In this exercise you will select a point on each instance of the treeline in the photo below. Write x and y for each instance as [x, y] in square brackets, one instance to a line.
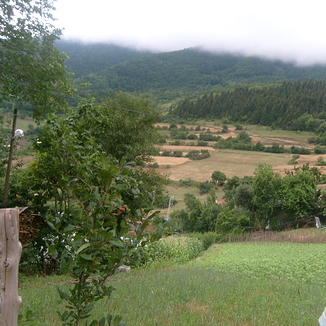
[263, 201]
[292, 105]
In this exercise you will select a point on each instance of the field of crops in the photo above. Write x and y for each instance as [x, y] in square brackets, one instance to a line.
[283, 261]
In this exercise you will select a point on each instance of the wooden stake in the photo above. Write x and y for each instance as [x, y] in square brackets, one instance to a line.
[10, 252]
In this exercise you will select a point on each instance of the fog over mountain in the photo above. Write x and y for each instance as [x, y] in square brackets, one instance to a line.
[288, 30]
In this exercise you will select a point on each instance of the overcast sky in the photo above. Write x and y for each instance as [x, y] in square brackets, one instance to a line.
[290, 30]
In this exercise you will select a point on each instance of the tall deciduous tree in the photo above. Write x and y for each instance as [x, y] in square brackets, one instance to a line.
[299, 192]
[266, 186]
[32, 69]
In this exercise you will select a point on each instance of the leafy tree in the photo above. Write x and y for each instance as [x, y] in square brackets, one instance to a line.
[32, 69]
[243, 196]
[266, 186]
[128, 133]
[299, 192]
[230, 186]
[232, 220]
[219, 178]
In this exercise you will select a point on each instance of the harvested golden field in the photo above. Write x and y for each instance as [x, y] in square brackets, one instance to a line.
[230, 162]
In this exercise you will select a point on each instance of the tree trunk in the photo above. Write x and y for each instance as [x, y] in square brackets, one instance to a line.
[10, 252]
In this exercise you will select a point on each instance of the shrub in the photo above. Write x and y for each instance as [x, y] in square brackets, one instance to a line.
[187, 183]
[294, 159]
[205, 187]
[198, 155]
[177, 153]
[166, 153]
[208, 238]
[319, 150]
[202, 143]
[321, 161]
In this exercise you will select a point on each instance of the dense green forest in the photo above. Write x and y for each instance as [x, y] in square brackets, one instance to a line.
[174, 75]
[291, 105]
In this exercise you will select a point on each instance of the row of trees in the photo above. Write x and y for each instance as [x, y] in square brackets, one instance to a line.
[266, 199]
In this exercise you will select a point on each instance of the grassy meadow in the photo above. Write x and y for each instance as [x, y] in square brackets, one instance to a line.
[242, 283]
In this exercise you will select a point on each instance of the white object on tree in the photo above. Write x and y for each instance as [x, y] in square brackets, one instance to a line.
[10, 252]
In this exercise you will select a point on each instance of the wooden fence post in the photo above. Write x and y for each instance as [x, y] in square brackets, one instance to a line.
[10, 252]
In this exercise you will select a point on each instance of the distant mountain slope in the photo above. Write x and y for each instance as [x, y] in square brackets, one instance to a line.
[177, 74]
[87, 58]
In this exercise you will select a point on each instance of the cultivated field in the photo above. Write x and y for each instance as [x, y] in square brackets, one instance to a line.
[234, 162]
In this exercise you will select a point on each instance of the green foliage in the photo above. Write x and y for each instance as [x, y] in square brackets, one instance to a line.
[174, 248]
[32, 69]
[205, 187]
[218, 177]
[76, 139]
[299, 190]
[266, 185]
[294, 159]
[243, 196]
[198, 155]
[208, 238]
[282, 106]
[208, 136]
[233, 221]
[93, 240]
[321, 161]
[197, 217]
[187, 183]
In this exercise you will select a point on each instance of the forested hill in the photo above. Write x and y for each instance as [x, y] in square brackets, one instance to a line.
[292, 105]
[177, 74]
[87, 58]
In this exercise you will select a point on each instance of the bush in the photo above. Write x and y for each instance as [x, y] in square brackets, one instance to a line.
[321, 161]
[208, 238]
[202, 143]
[166, 153]
[205, 187]
[177, 153]
[192, 136]
[198, 155]
[319, 150]
[187, 183]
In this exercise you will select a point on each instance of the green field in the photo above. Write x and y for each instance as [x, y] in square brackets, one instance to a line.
[229, 284]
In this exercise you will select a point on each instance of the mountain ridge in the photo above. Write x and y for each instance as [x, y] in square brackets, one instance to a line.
[169, 76]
